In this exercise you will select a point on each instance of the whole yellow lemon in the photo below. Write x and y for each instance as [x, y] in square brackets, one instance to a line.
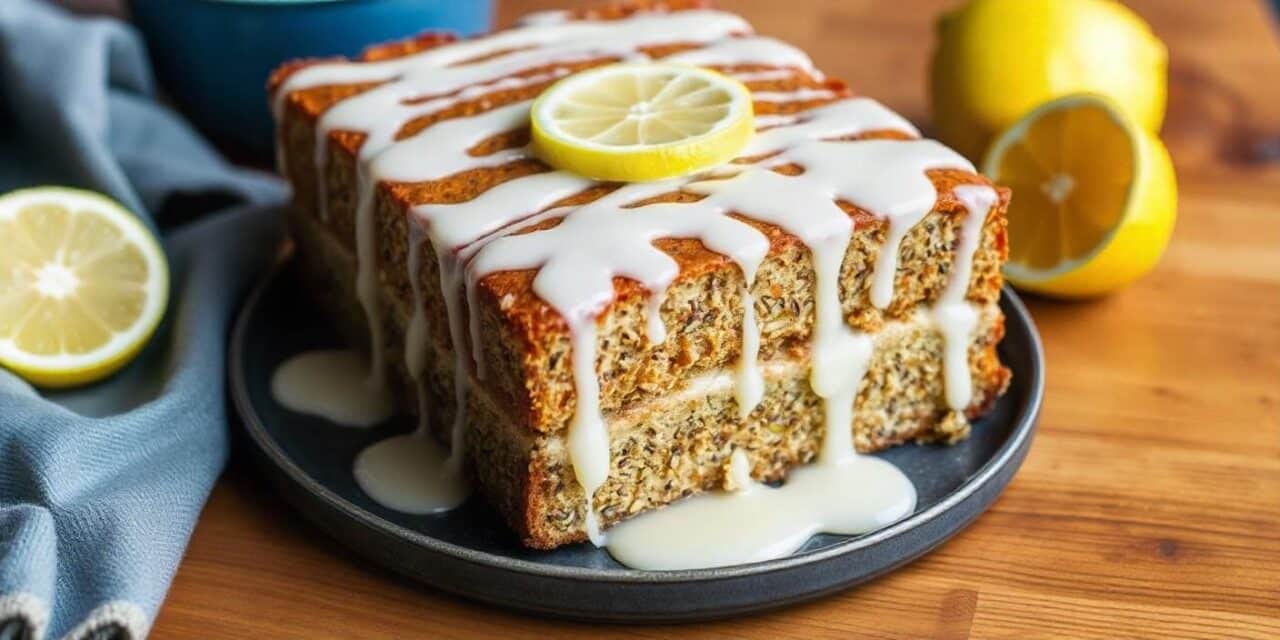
[998, 59]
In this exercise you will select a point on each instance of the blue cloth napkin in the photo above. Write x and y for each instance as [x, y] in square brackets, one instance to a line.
[100, 487]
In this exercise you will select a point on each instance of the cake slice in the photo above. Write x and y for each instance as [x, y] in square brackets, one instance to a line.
[413, 187]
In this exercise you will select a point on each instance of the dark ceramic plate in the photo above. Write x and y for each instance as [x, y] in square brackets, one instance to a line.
[469, 552]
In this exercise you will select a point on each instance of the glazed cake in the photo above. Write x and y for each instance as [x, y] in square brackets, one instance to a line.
[562, 333]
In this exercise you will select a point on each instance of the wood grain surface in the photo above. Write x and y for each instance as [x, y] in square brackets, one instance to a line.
[1150, 503]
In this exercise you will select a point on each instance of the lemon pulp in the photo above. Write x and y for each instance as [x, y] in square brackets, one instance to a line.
[83, 285]
[639, 122]
[1094, 197]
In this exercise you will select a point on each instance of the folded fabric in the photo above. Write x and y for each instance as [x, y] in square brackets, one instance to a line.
[100, 487]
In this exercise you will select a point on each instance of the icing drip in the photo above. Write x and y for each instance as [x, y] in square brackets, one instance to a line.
[415, 341]
[367, 279]
[956, 317]
[749, 387]
[451, 281]
[410, 472]
[588, 434]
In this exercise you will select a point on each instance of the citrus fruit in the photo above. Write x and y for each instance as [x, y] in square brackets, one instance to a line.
[1094, 197]
[998, 59]
[83, 285]
[639, 122]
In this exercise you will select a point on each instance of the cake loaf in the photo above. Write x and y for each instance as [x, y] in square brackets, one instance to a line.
[555, 333]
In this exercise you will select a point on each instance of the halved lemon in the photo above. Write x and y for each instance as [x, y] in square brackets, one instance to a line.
[1094, 197]
[642, 121]
[83, 285]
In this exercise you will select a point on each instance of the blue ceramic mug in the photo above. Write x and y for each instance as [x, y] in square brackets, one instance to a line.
[214, 56]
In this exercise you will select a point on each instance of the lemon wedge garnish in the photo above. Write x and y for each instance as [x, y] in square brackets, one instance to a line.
[644, 121]
[1094, 197]
[83, 285]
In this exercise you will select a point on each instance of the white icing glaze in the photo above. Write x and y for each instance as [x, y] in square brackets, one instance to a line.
[539, 35]
[578, 258]
[392, 102]
[795, 95]
[749, 385]
[454, 226]
[330, 384]
[955, 316]
[763, 75]
[844, 118]
[367, 278]
[551, 16]
[445, 151]
[415, 341]
[588, 434]
[746, 50]
[770, 120]
[757, 522]
[410, 473]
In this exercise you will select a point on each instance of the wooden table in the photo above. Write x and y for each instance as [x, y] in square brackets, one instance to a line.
[1150, 502]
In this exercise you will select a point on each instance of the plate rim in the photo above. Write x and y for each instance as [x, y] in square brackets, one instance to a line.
[1025, 419]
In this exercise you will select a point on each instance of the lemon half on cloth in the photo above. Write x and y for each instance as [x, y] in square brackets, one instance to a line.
[83, 285]
[642, 121]
[1094, 197]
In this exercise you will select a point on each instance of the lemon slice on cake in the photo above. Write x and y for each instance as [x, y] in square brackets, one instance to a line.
[83, 285]
[639, 122]
[1094, 197]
